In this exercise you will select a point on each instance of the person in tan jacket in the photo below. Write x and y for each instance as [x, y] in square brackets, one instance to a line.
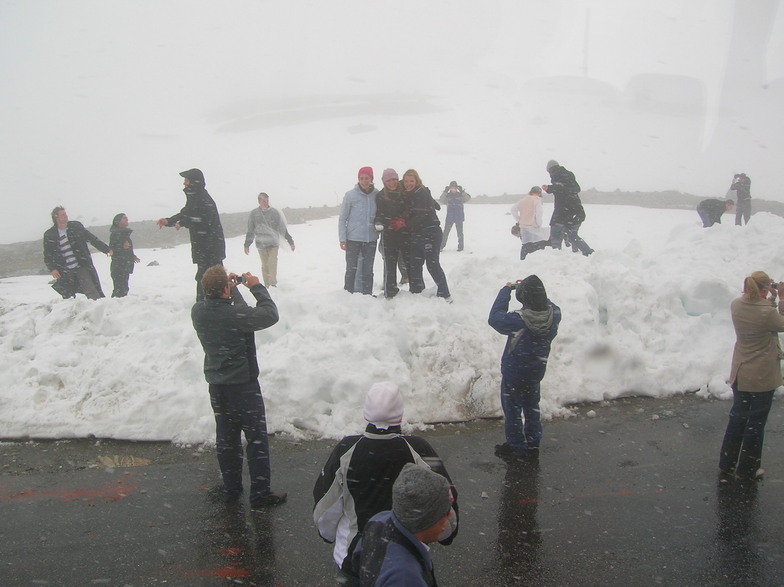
[755, 374]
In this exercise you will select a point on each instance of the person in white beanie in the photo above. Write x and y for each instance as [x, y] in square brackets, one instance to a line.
[356, 482]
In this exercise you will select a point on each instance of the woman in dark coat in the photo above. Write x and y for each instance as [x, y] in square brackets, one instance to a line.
[422, 220]
[122, 257]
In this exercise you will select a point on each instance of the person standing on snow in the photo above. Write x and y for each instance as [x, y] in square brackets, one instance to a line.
[226, 326]
[712, 209]
[123, 257]
[530, 332]
[69, 260]
[395, 235]
[267, 226]
[528, 215]
[357, 233]
[454, 196]
[568, 212]
[741, 185]
[425, 235]
[356, 481]
[200, 216]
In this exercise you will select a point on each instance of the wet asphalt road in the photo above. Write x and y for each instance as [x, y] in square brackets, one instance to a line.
[628, 497]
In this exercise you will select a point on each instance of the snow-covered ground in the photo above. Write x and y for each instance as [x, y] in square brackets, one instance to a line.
[647, 314]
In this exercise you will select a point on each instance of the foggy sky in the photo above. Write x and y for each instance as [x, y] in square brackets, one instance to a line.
[104, 102]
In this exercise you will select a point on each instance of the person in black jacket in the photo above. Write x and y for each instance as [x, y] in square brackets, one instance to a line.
[712, 209]
[68, 259]
[741, 185]
[426, 235]
[395, 235]
[356, 482]
[123, 257]
[568, 212]
[225, 325]
[200, 216]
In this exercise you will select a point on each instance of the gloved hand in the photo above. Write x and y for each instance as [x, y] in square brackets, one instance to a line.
[379, 227]
[397, 223]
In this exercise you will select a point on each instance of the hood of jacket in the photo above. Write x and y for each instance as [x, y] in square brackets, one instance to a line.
[537, 321]
[195, 176]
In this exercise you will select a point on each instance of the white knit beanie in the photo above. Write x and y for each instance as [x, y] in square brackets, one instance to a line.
[384, 405]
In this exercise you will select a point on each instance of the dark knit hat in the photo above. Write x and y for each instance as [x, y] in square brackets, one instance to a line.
[420, 497]
[531, 293]
[551, 163]
[453, 184]
[365, 171]
[535, 190]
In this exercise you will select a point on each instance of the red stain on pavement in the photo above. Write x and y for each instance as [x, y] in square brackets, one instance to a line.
[110, 492]
[223, 572]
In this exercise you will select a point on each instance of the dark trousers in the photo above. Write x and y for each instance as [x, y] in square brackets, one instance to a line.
[359, 266]
[425, 249]
[570, 231]
[200, 270]
[518, 398]
[741, 451]
[120, 280]
[240, 409]
[394, 250]
[447, 229]
[742, 212]
[529, 248]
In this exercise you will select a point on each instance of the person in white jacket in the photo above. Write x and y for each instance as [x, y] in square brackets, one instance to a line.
[528, 215]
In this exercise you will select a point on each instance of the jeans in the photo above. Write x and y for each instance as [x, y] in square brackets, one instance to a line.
[522, 396]
[120, 281]
[447, 229]
[741, 450]
[359, 266]
[240, 409]
[426, 249]
[558, 231]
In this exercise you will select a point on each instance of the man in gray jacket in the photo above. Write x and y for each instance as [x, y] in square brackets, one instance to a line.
[358, 234]
[226, 325]
[267, 226]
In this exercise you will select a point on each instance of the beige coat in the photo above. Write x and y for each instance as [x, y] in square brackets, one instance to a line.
[755, 361]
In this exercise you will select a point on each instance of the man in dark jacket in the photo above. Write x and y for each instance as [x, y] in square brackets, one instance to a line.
[530, 331]
[393, 549]
[68, 259]
[200, 216]
[712, 209]
[356, 481]
[741, 185]
[225, 325]
[568, 212]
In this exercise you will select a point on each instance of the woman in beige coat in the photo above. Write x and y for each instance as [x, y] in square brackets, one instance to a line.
[755, 374]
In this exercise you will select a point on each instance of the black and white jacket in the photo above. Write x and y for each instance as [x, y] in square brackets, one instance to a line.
[356, 483]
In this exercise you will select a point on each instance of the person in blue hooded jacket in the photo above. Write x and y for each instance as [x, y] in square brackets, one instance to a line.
[358, 234]
[530, 331]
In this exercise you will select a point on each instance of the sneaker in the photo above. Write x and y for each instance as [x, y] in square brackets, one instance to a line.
[271, 498]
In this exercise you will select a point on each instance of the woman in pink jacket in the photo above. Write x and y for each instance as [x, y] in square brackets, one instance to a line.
[755, 374]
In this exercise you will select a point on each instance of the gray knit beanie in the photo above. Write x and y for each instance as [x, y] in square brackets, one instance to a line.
[551, 163]
[420, 497]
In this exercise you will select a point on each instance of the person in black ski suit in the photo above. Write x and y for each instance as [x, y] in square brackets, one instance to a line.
[568, 212]
[123, 257]
[395, 236]
[200, 216]
[741, 185]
